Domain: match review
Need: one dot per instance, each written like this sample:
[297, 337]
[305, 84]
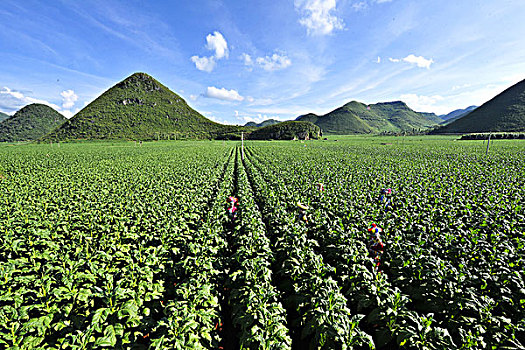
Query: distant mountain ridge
[264, 123]
[456, 114]
[140, 107]
[503, 113]
[3, 116]
[30, 123]
[358, 118]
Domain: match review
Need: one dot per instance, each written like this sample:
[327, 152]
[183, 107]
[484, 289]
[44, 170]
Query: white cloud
[259, 118]
[217, 120]
[273, 62]
[247, 59]
[14, 94]
[378, 59]
[459, 87]
[193, 97]
[260, 101]
[421, 103]
[317, 16]
[364, 4]
[68, 98]
[216, 42]
[68, 114]
[268, 63]
[223, 94]
[419, 61]
[12, 100]
[205, 64]
[360, 6]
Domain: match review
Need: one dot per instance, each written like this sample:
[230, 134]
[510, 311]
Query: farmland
[118, 245]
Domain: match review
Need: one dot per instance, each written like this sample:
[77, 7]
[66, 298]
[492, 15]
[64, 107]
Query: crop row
[256, 311]
[317, 311]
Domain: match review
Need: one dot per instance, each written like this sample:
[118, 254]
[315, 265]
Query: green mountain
[358, 118]
[503, 113]
[3, 116]
[287, 131]
[30, 123]
[141, 108]
[262, 124]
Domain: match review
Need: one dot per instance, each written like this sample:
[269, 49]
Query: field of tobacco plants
[121, 246]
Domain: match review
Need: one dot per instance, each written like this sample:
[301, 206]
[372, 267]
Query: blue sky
[236, 61]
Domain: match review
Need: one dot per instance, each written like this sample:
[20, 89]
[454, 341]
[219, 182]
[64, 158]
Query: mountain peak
[30, 123]
[398, 104]
[503, 113]
[357, 118]
[140, 81]
[139, 107]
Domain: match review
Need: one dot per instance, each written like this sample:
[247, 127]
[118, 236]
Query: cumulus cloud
[421, 103]
[214, 42]
[218, 120]
[273, 62]
[378, 59]
[206, 64]
[419, 61]
[12, 100]
[318, 17]
[68, 98]
[268, 63]
[223, 94]
[247, 59]
[68, 114]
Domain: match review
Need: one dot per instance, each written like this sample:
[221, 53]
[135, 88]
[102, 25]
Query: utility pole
[488, 144]
[242, 146]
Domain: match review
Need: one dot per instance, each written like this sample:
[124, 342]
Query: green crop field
[129, 246]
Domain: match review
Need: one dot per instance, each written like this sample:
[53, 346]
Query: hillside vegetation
[30, 123]
[140, 107]
[358, 118]
[287, 131]
[263, 123]
[503, 113]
